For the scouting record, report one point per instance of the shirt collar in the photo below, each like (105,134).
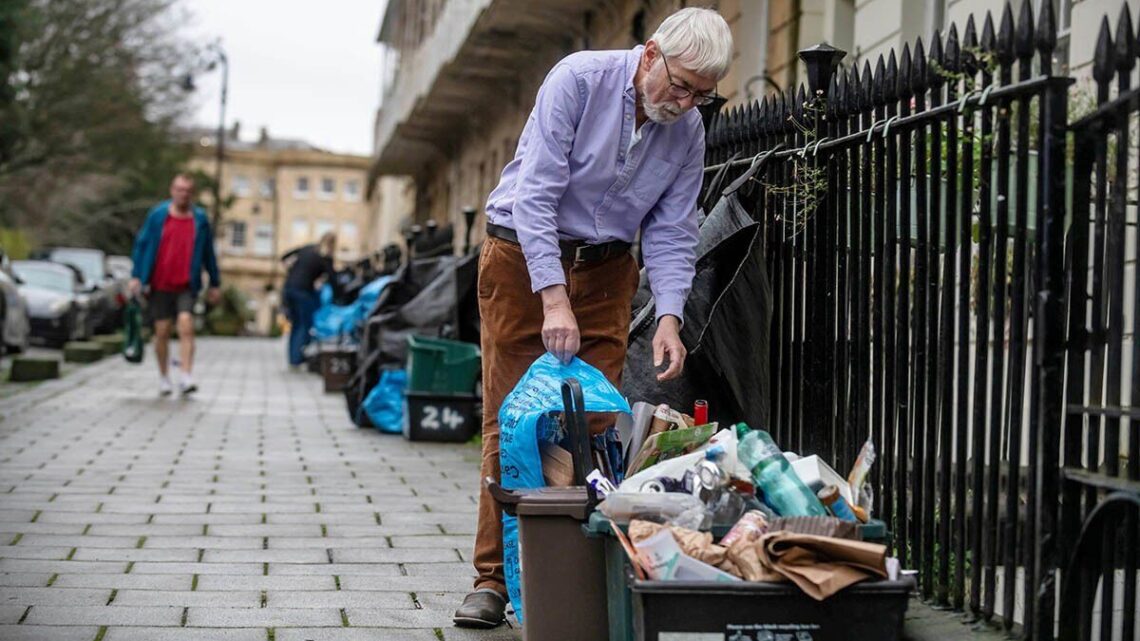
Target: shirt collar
(632,59)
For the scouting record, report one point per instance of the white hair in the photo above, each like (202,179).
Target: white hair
(699,39)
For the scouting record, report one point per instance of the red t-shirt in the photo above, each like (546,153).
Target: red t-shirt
(172,265)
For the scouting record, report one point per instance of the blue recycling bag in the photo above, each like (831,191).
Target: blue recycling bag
(335,321)
(367,298)
(384,404)
(528,417)
(332,321)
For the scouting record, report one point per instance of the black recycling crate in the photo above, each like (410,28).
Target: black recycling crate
(449,418)
(337,364)
(765,611)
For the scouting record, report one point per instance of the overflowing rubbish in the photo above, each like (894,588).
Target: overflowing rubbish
(702,503)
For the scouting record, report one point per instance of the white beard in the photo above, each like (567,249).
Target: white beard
(662,113)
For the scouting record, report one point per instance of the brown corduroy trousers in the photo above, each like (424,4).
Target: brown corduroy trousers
(600,295)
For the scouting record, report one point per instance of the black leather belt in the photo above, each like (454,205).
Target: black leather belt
(575,251)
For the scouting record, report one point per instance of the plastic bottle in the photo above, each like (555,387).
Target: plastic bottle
(783,490)
(831,499)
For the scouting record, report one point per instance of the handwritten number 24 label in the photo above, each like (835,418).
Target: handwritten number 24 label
(434,419)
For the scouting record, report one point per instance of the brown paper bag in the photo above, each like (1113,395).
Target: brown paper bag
(820,565)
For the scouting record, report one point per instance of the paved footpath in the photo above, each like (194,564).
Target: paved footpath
(254,511)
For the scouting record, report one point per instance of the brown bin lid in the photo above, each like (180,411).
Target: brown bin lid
(555,501)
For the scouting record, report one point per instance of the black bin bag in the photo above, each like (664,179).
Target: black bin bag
(726,330)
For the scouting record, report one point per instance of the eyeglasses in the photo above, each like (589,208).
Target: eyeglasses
(680,92)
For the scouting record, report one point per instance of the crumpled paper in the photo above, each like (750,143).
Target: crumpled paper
(818,565)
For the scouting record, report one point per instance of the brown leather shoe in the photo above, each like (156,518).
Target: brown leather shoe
(481,609)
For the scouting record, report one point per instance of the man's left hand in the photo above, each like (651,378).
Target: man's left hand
(213,296)
(667,345)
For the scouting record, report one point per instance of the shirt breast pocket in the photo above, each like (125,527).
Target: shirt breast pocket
(654,175)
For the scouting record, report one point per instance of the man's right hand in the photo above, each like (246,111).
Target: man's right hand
(559,328)
(135,287)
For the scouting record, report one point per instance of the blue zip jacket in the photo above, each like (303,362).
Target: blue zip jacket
(145,251)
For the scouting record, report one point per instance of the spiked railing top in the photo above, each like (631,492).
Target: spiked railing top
(1126,48)
(878,93)
(1023,41)
(934,77)
(1104,58)
(989,40)
(1047,32)
(902,86)
(891,80)
(854,89)
(951,57)
(969,60)
(918,79)
(1005,54)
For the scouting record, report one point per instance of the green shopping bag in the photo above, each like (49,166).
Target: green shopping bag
(133,347)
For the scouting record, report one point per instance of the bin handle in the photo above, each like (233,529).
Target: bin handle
(507,499)
(577,427)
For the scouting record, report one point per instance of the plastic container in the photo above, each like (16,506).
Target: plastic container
(442,366)
(618,595)
(867,611)
(564,571)
(783,490)
(446,418)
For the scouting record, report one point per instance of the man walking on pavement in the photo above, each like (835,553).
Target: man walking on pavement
(612,146)
(173,247)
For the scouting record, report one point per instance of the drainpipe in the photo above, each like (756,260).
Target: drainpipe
(935,16)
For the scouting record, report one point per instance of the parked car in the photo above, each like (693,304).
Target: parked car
(57,303)
(15,327)
(106,299)
(121,267)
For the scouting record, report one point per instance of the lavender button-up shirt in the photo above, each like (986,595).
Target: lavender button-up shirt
(574,176)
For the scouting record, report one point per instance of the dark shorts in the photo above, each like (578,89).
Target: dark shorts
(168,305)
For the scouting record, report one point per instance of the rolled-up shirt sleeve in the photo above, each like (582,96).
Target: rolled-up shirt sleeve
(544,173)
(669,234)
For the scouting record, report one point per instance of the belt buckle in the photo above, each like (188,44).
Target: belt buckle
(578,254)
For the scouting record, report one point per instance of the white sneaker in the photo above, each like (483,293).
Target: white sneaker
(164,386)
(186,385)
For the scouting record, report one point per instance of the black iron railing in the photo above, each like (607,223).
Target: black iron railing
(939,290)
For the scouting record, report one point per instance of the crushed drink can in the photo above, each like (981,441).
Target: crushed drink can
(751,526)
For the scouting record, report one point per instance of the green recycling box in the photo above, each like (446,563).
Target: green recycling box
(441,366)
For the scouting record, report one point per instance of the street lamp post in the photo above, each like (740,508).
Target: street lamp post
(214,56)
(221,146)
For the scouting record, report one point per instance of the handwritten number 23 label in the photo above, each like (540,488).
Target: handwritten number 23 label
(434,419)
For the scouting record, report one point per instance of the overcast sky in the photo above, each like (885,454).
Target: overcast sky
(303,68)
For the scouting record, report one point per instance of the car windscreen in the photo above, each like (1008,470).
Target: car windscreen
(88,262)
(51,278)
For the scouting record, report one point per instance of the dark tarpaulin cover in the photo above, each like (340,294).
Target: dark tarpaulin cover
(427,297)
(726,330)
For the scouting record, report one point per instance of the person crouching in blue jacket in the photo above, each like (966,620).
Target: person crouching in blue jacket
(173,247)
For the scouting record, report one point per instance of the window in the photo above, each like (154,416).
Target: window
(300,230)
(328,188)
(237,234)
(302,188)
(267,187)
(352,190)
(241,186)
(323,226)
(263,239)
(347,236)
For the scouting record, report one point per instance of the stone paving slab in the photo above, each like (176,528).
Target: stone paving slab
(254,510)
